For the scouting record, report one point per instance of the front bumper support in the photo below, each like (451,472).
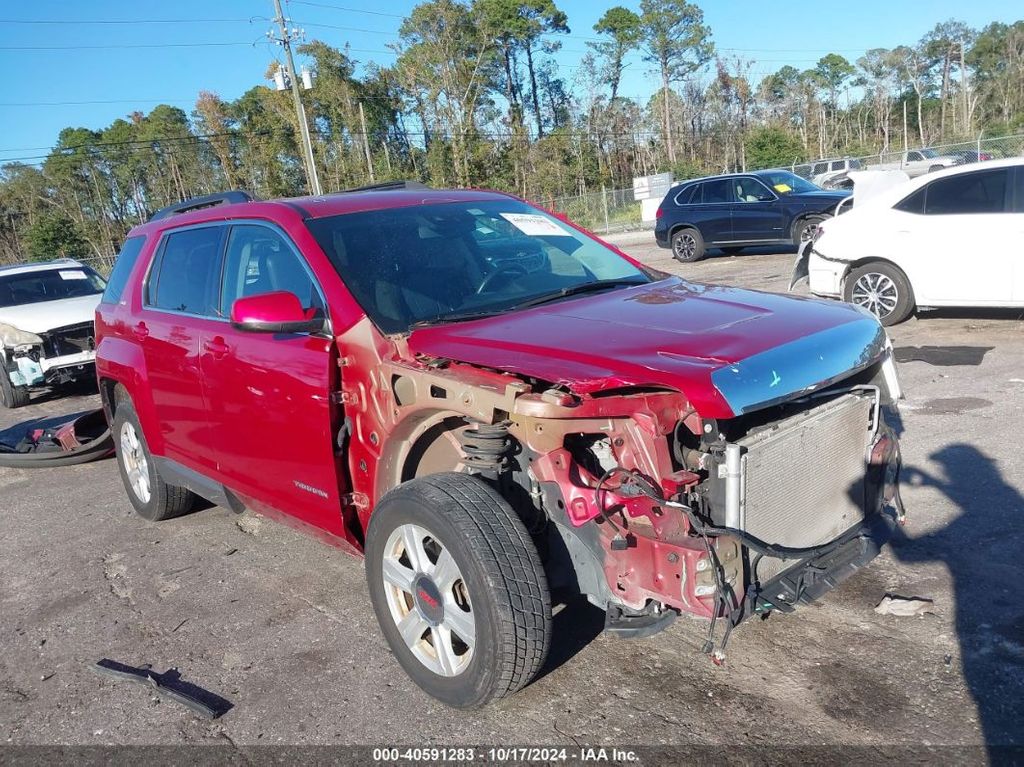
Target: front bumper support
(811,579)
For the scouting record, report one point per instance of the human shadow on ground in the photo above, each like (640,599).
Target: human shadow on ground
(982,547)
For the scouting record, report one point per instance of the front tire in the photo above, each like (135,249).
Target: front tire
(883,290)
(803,230)
(458,589)
(152,498)
(11,396)
(687,246)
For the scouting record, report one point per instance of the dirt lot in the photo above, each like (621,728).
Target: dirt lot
(280,625)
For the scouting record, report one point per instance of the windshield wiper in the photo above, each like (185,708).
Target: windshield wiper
(443,319)
(575,290)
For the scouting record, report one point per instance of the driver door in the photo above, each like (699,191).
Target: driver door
(269,393)
(757,214)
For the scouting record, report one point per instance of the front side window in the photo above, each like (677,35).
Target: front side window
(259,260)
(185,277)
(839,165)
(968,193)
(752,190)
(914,156)
(452,261)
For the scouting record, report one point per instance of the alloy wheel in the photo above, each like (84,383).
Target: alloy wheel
(877,293)
(685,246)
(428,599)
(136,466)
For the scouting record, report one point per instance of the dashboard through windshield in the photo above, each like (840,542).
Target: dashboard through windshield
(445,262)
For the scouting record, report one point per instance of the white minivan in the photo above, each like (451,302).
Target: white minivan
(951,238)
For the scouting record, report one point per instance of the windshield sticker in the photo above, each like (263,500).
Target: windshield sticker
(72,274)
(783,188)
(534,224)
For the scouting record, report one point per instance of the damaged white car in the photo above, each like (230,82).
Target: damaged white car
(47,338)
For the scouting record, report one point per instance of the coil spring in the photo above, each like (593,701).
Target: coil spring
(486,446)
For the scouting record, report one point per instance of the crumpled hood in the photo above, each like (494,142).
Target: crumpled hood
(728,350)
(47,315)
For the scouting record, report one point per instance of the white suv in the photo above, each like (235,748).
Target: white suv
(47,311)
(951,238)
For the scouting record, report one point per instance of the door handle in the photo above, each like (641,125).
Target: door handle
(140,331)
(216,347)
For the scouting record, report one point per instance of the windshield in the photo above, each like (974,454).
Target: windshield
(929,153)
(784,182)
(49,285)
(459,260)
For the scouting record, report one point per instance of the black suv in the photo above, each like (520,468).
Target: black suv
(766,207)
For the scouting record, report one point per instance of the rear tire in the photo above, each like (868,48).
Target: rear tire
(803,230)
(12,396)
(151,497)
(687,246)
(458,589)
(882,289)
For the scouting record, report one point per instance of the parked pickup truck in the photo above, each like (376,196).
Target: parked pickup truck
(917,162)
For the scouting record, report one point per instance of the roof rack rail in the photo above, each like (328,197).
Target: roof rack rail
(207,201)
(386,186)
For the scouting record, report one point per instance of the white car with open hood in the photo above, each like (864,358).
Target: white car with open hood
(951,238)
(47,314)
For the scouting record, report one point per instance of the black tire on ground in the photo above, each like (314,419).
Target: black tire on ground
(881,288)
(687,246)
(501,588)
(11,396)
(160,500)
(803,229)
(935,168)
(732,250)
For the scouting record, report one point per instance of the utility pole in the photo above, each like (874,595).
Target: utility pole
(312,179)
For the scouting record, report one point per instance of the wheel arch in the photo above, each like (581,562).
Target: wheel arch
(876,260)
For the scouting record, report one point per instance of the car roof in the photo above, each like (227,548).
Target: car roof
(891,196)
(41,266)
(728,175)
(313,207)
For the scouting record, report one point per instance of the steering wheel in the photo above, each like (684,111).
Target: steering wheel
(485,283)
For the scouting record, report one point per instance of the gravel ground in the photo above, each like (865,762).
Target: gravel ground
(280,625)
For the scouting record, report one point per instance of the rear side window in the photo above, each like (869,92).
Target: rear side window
(719,191)
(186,275)
(122,269)
(839,165)
(687,196)
(981,192)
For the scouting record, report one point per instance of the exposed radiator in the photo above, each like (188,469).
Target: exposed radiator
(801,481)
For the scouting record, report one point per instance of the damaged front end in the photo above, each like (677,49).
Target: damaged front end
(635,498)
(57,356)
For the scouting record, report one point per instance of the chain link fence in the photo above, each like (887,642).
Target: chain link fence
(615,210)
(604,212)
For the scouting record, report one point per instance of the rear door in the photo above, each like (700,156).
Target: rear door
(713,214)
(178,307)
(270,393)
(963,248)
(757,214)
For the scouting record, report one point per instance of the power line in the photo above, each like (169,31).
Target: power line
(116,46)
(77,22)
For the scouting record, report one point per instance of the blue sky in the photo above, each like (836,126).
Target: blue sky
(78,73)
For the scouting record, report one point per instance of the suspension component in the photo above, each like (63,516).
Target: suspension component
(486,447)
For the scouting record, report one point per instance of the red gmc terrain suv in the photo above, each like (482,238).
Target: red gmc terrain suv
(490,403)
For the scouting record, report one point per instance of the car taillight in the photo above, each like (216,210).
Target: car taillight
(659,213)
